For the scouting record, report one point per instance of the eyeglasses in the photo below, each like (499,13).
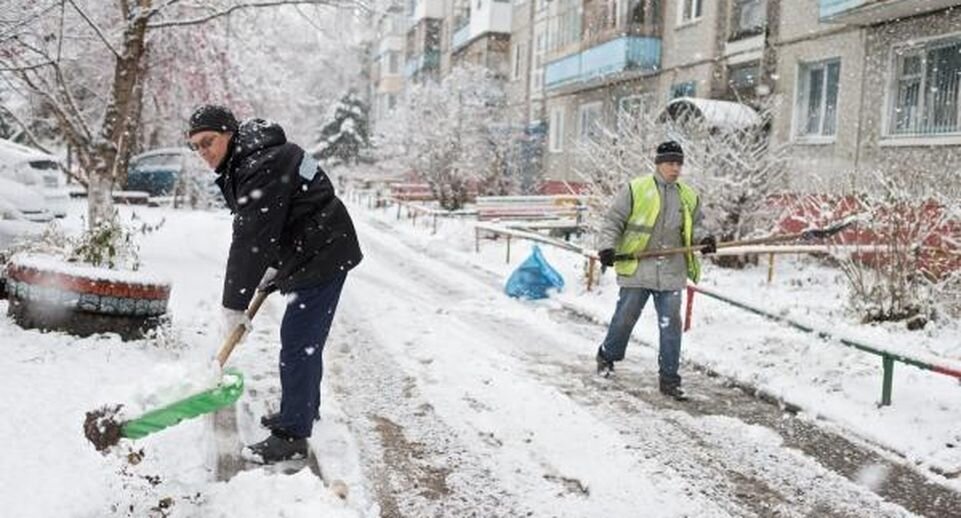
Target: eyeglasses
(204,143)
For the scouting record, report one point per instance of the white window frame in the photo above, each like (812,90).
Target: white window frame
(555,140)
(697,11)
(584,132)
(918,47)
(799,120)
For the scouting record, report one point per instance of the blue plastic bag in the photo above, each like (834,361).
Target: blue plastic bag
(533,278)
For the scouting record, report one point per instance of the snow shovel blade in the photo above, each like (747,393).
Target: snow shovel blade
(224,394)
(828,231)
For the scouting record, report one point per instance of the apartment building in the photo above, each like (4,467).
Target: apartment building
(387,62)
(425,20)
(480,34)
(859,85)
(872,86)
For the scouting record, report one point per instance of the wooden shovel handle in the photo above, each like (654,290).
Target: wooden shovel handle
(234,337)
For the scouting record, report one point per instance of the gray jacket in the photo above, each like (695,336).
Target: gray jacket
(665,273)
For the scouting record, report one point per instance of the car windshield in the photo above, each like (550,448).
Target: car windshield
(159,160)
(44,165)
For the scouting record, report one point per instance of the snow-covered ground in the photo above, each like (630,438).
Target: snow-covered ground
(443,397)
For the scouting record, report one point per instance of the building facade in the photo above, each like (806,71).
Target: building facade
(855,85)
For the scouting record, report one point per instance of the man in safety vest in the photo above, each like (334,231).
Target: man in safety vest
(652,212)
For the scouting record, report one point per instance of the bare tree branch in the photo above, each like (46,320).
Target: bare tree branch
(10,32)
(26,129)
(96,28)
(225,12)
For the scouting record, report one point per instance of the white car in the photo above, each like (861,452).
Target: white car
(21,202)
(34,168)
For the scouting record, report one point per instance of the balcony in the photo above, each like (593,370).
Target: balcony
(870,12)
(426,61)
(625,54)
(460,37)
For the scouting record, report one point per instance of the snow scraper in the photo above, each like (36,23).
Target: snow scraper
(806,235)
(103,430)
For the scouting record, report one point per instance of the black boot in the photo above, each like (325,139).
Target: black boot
(270,421)
(673,390)
(605,367)
(277,447)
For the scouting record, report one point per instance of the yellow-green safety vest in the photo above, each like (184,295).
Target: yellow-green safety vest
(640,224)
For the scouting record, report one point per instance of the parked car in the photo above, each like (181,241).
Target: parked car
(177,173)
(13,228)
(22,202)
(36,169)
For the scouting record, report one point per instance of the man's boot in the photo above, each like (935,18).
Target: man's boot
(673,390)
(278,447)
(605,367)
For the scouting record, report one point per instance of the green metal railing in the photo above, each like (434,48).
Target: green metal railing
(887,357)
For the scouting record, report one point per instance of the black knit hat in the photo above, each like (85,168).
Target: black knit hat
(669,151)
(212,117)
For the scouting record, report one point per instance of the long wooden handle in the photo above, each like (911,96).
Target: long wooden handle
(723,244)
(234,337)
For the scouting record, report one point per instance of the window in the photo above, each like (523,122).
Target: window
(565,28)
(645,13)
(748,17)
(925,96)
(740,77)
(686,89)
(556,136)
(539,50)
(589,121)
(393,62)
(632,109)
(391,101)
(612,13)
(817,101)
(689,10)
(516,61)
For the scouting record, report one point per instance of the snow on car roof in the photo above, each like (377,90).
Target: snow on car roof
(162,151)
(12,151)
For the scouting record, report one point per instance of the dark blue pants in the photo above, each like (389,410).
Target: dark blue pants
(303,334)
(630,303)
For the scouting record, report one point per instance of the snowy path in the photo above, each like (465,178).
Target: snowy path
(442,398)
(465,403)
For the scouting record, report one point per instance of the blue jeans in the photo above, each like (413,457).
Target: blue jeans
(303,334)
(630,303)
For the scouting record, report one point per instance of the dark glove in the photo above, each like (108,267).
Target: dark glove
(709,245)
(607,257)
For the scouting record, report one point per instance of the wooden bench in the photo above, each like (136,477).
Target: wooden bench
(530,208)
(407,192)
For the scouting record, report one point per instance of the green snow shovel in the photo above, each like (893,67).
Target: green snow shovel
(101,428)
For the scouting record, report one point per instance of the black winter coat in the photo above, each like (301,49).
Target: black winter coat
(286,215)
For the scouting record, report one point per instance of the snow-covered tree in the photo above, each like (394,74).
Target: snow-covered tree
(346,132)
(454,135)
(86,66)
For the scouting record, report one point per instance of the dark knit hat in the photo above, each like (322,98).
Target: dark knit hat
(669,151)
(212,117)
